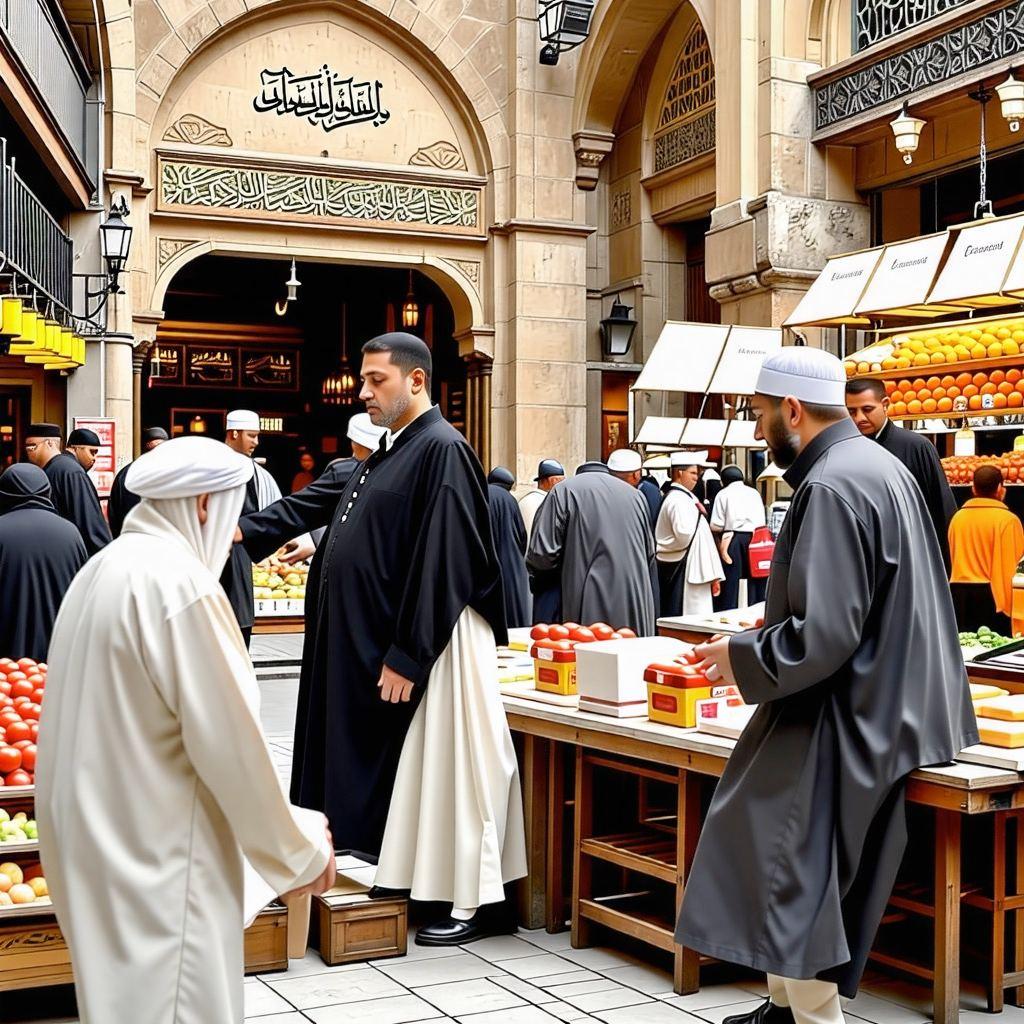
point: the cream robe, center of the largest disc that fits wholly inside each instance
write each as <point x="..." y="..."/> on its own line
<point x="703" y="567"/>
<point x="455" y="828"/>
<point x="153" y="778"/>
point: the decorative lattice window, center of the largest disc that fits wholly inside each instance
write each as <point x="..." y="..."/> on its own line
<point x="686" y="127"/>
<point x="875" y="20"/>
<point x="692" y="87"/>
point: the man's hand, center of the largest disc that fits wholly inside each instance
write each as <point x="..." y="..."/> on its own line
<point x="716" y="588"/>
<point x="238" y="535"/>
<point x="294" y="551"/>
<point x="716" y="662"/>
<point x="394" y="688"/>
<point x="326" y="879"/>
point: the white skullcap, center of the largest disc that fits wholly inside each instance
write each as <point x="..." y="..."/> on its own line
<point x="624" y="460"/>
<point x="245" y="419"/>
<point x="804" y="373"/>
<point x="187" y="467"/>
<point x="689" y="459"/>
<point x="362" y="431"/>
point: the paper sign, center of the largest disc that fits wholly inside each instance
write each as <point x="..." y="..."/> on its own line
<point x="105" y="468"/>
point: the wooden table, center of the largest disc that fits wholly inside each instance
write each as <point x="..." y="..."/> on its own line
<point x="688" y="756"/>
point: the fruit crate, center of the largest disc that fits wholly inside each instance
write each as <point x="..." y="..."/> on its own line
<point x="266" y="941"/>
<point x="351" y="928"/>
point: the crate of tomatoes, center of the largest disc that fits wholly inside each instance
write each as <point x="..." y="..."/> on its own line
<point x="554" y="652"/>
<point x="22" y="684"/>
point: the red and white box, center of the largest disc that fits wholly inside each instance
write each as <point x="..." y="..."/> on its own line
<point x="724" y="713"/>
<point x="610" y="673"/>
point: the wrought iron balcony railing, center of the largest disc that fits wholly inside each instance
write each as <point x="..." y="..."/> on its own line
<point x="32" y="244"/>
<point x="36" y="32"/>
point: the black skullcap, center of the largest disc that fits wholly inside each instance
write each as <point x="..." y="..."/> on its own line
<point x="502" y="477"/>
<point x="43" y="430"/>
<point x="89" y="438"/>
<point x="731" y="475"/>
<point x="549" y="468"/>
<point x="154" y="434"/>
<point x="24" y="486"/>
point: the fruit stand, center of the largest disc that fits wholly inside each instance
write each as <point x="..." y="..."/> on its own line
<point x="279" y="595"/>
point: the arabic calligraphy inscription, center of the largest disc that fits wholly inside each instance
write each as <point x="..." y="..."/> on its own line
<point x="324" y="99"/>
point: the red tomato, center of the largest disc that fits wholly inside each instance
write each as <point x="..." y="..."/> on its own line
<point x="30" y="712"/>
<point x="26" y="663"/>
<point x="22" y="688"/>
<point x="559" y="632"/>
<point x="28" y="757"/>
<point x="16" y="676"/>
<point x="615" y="636"/>
<point x="10" y="759"/>
<point x="20" y="702"/>
<point x="37" y="696"/>
<point x="562" y="645"/>
<point x="582" y="635"/>
<point x="22" y="744"/>
<point x="572" y="625"/>
<point x="19" y="777"/>
<point x="34" y="731"/>
<point x="42" y="667"/>
<point x="5" y="701"/>
<point x="602" y="632"/>
<point x="545" y="642"/>
<point x="9" y="715"/>
<point x="627" y="634"/>
<point x="18" y="731"/>
<point x="35" y="679"/>
<point x="5" y="686"/>
<point x="540" y="631"/>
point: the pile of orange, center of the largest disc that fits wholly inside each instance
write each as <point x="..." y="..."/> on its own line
<point x="938" y="395"/>
<point x="960" y="469"/>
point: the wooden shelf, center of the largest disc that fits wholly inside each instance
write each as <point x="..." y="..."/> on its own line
<point x="647" y="852"/>
<point x="969" y="414"/>
<point x="638" y="915"/>
<point x="942" y="369"/>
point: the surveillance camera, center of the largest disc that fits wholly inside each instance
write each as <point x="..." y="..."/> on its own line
<point x="549" y="55"/>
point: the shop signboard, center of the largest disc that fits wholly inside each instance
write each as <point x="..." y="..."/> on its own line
<point x="684" y="358"/>
<point x="105" y="468"/>
<point x="904" y="277"/>
<point x="836" y="292"/>
<point x="745" y="350"/>
<point x="978" y="264"/>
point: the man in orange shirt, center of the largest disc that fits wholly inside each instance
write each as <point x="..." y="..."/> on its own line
<point x="986" y="542"/>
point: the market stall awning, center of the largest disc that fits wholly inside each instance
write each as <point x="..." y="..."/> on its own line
<point x="740" y="434"/>
<point x="976" y="271"/>
<point x="704" y="433"/>
<point x="745" y="350"/>
<point x="661" y="430"/>
<point x="904" y="277"/>
<point x="684" y="358"/>
<point x="836" y="292"/>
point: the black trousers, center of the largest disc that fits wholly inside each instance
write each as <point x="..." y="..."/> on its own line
<point x="975" y="606"/>
<point x="671" y="580"/>
<point x="739" y="552"/>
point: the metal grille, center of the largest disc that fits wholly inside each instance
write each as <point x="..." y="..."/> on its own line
<point x="875" y="20"/>
<point x="692" y="87"/>
<point x="30" y="239"/>
<point x="52" y="60"/>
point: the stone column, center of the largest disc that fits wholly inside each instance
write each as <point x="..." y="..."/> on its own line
<point x="478" y="405"/>
<point x="144" y="325"/>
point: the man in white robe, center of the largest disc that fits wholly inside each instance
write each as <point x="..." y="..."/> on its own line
<point x="154" y="778"/>
<point x="689" y="565"/>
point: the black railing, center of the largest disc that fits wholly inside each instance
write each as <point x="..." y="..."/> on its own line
<point x="42" y="41"/>
<point x="875" y="20"/>
<point x="32" y="243"/>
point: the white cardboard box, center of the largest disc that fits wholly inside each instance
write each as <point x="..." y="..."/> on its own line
<point x="610" y="673"/>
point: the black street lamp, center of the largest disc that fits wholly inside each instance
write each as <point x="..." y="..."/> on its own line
<point x="115" y="241"/>
<point x="564" y="25"/>
<point x="617" y="329"/>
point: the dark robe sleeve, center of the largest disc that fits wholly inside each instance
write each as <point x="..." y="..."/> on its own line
<point x="829" y="589"/>
<point x="80" y="504"/>
<point x="120" y="503"/>
<point x="452" y="562"/>
<point x="937" y="495"/>
<point x="309" y="509"/>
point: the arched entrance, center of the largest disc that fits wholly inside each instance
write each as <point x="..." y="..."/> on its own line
<point x="223" y="345"/>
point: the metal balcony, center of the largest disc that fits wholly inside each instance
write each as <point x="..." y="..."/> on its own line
<point x="35" y="30"/>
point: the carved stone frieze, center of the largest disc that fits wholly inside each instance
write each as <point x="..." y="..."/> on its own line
<point x="197" y="131"/>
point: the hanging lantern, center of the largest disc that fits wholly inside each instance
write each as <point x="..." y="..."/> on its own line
<point x="10" y="320"/>
<point x="339" y="387"/>
<point x="410" y="308"/>
<point x="617" y="329"/>
<point x="29" y="337"/>
<point x="1011" y="102"/>
<point x="564" y="25"/>
<point x="197" y="425"/>
<point x="907" y="131"/>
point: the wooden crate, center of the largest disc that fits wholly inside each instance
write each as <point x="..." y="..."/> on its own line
<point x="353" y="928"/>
<point x="266" y="942"/>
<point x="33" y="953"/>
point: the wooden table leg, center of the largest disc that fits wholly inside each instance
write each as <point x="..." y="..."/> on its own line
<point x="1017" y="994"/>
<point x="532" y="893"/>
<point x="582" y="873"/>
<point x="997" y="967"/>
<point x="554" y="911"/>
<point x="687" y="961"/>
<point x="947" y="917"/>
<point x="298" y="925"/>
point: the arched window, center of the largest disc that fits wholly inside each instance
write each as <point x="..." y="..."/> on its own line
<point x="686" y="127"/>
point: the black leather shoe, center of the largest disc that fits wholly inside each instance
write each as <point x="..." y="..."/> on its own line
<point x="766" y="1013"/>
<point x="378" y="892"/>
<point x="485" y="923"/>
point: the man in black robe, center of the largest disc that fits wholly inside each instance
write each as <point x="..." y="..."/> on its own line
<point x="860" y="681"/>
<point x="121" y="500"/>
<point x="868" y="406"/>
<point x="408" y="552"/>
<point x="509" y="532"/>
<point x="71" y="491"/>
<point x="39" y="555"/>
<point x="84" y="445"/>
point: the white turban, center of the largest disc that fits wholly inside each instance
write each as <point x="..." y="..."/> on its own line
<point x="624" y="460"/>
<point x="362" y="430"/>
<point x="243" y="419"/>
<point x="169" y="479"/>
<point x="808" y="374"/>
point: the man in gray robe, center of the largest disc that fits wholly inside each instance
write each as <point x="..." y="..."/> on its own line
<point x="593" y="534"/>
<point x="860" y="680"/>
